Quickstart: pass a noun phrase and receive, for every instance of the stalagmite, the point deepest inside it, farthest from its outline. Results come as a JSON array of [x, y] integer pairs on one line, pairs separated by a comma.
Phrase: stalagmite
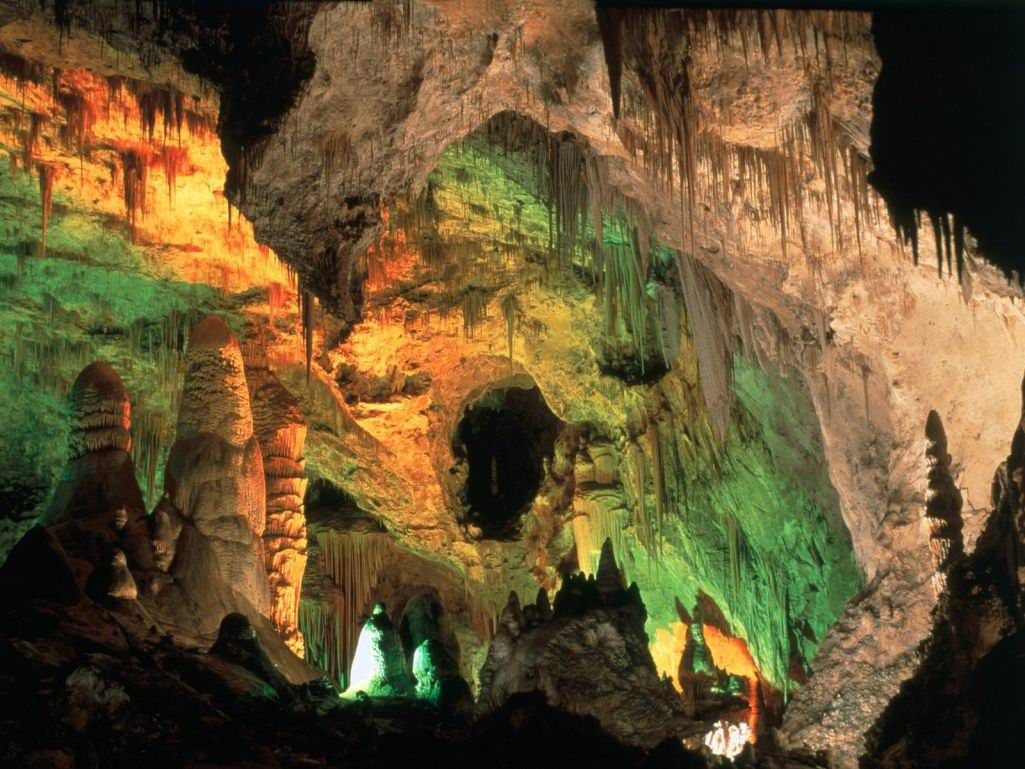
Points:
[[943, 507], [215, 474], [379, 666], [281, 431], [98, 482]]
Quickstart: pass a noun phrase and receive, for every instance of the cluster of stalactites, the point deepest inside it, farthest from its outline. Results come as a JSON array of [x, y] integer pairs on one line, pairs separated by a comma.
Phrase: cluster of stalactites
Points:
[[353, 561], [571, 180], [74, 99], [682, 151]]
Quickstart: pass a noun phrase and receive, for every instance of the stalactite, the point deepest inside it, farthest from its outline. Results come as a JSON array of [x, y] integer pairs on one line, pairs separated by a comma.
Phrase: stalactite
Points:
[[338, 153], [709, 323], [306, 300], [509, 312], [598, 516], [610, 25], [22, 70], [172, 159], [79, 118], [47, 174], [353, 560], [657, 474], [474, 309], [152, 100], [28, 145], [659, 45], [135, 170]]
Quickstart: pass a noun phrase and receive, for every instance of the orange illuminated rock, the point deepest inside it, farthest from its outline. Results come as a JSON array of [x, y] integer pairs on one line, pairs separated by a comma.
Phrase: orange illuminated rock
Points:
[[214, 476], [281, 432]]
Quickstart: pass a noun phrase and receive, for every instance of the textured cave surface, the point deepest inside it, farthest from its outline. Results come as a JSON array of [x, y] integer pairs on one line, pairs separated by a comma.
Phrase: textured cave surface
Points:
[[558, 379]]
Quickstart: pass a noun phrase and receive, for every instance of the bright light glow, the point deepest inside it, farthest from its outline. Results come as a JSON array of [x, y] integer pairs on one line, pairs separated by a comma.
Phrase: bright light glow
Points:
[[368, 662], [727, 739]]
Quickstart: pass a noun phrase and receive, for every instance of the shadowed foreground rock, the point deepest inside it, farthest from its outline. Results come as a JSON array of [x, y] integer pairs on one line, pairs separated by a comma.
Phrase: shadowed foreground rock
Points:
[[81, 686], [964, 706], [589, 655]]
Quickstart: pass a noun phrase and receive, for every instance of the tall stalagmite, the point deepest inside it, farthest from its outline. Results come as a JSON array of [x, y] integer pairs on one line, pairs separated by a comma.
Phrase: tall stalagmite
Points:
[[215, 473], [281, 431]]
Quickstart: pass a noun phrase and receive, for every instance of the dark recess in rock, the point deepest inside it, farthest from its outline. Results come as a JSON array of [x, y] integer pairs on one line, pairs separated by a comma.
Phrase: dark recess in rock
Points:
[[504, 438], [946, 132]]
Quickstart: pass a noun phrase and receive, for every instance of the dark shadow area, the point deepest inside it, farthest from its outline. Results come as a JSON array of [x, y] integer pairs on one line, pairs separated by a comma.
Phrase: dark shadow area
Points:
[[504, 438], [948, 121]]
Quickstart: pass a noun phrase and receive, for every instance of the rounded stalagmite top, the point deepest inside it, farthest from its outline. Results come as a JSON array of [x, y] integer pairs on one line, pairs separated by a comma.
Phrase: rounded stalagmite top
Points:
[[101, 413], [215, 397], [212, 332]]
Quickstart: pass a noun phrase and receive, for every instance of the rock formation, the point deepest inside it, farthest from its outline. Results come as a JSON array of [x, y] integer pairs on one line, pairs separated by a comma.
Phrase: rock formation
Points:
[[669, 228], [379, 666], [238, 642], [97, 510], [590, 657], [963, 707], [98, 484], [281, 431], [215, 476]]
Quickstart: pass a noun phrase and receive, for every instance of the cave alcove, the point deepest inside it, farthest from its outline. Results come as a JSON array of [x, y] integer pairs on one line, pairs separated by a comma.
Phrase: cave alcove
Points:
[[423, 619], [503, 438]]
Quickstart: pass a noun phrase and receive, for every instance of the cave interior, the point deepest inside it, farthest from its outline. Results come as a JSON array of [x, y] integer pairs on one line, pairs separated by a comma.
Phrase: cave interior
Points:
[[511, 383]]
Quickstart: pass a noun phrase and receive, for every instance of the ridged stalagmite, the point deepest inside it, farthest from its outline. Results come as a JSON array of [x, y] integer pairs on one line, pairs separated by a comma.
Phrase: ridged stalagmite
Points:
[[281, 431], [98, 484]]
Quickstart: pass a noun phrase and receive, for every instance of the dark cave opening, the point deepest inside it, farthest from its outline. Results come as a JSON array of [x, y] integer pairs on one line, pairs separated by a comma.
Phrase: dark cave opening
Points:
[[504, 438]]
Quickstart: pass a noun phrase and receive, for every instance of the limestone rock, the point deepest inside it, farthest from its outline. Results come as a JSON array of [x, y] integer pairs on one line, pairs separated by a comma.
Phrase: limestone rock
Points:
[[113, 581], [98, 484], [238, 642], [37, 569], [281, 432], [963, 706], [215, 476], [592, 658]]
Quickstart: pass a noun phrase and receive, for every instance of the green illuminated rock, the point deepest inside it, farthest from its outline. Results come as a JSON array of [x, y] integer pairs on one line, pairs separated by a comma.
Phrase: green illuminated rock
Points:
[[379, 667]]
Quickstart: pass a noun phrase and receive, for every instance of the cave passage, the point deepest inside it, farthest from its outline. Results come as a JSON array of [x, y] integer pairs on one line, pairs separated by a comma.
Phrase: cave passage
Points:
[[504, 438]]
